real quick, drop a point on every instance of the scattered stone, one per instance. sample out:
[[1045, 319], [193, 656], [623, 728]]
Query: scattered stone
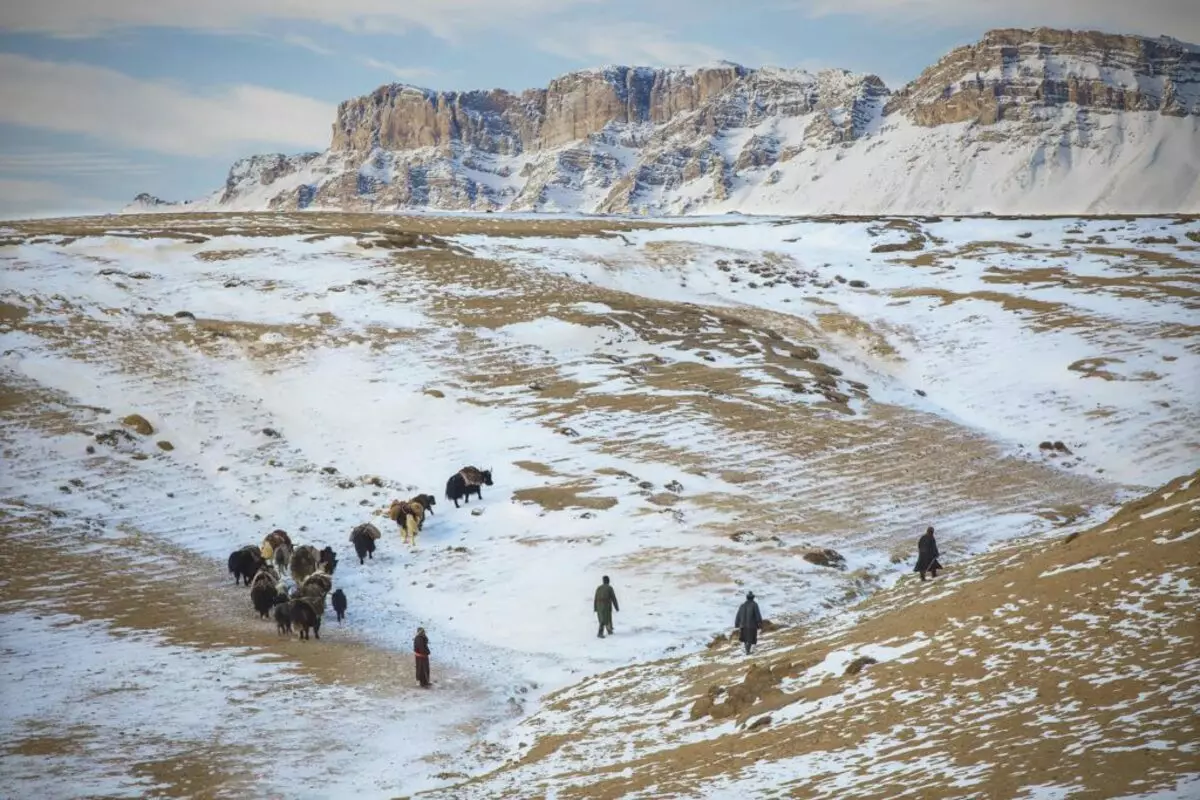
[[364, 502], [1024, 235], [537, 387], [1046, 446], [222, 469], [114, 437], [139, 456], [184, 315], [647, 485], [587, 515], [345, 483], [839, 279], [857, 284], [429, 586], [674, 486], [140, 276], [165, 446], [361, 282], [826, 558], [565, 431], [65, 489], [921, 392], [438, 393], [90, 450], [329, 470], [139, 424], [375, 481], [170, 494], [110, 271], [761, 722], [274, 434], [232, 283], [806, 353], [1061, 448], [476, 512], [337, 288], [856, 666], [707, 357]]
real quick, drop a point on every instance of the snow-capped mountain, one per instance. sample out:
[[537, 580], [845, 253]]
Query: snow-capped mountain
[[1029, 121]]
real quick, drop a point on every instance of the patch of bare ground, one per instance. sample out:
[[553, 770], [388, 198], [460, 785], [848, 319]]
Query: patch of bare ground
[[558, 498], [390, 230], [1052, 661]]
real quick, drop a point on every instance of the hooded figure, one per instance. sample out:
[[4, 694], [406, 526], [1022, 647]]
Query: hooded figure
[[604, 604], [748, 622], [927, 555], [421, 653]]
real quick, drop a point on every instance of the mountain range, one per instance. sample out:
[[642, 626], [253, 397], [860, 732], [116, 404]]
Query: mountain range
[[1023, 121]]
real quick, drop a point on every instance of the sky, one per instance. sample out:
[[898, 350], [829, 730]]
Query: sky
[[102, 99]]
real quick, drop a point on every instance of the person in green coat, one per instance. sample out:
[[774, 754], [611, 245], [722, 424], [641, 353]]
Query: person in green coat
[[604, 605]]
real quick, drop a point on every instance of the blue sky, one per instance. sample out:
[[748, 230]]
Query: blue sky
[[101, 99]]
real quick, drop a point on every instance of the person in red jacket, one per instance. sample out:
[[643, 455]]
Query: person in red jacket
[[421, 653]]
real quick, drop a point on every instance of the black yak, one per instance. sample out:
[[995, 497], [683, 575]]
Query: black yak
[[318, 582], [244, 563], [363, 537], [339, 604], [264, 596], [304, 562], [305, 616], [283, 615], [327, 560], [465, 482]]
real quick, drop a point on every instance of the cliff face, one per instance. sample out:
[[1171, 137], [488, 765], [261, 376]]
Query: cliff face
[[573, 107], [1022, 121], [1010, 73]]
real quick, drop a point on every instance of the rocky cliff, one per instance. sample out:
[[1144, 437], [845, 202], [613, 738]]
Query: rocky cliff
[[1032, 121]]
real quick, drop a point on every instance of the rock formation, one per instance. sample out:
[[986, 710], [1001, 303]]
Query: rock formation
[[1027, 121]]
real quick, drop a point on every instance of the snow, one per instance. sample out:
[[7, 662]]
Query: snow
[[511, 609], [982, 364]]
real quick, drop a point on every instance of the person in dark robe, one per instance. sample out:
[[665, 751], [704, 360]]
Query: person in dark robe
[[927, 555], [604, 604], [748, 622], [421, 653]]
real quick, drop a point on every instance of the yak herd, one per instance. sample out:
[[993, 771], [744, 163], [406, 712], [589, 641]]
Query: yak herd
[[261, 567]]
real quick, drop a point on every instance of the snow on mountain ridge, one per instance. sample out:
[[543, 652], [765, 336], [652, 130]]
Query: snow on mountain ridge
[[1058, 121]]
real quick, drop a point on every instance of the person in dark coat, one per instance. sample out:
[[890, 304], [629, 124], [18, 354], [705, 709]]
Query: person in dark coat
[[604, 604], [748, 622], [421, 653], [927, 555]]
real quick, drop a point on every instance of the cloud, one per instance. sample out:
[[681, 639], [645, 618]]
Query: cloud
[[160, 117], [1178, 18], [398, 72], [23, 198], [442, 17], [308, 44], [48, 161], [626, 43]]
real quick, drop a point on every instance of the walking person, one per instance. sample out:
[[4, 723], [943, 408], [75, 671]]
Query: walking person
[[748, 622], [927, 555], [604, 604], [421, 653]]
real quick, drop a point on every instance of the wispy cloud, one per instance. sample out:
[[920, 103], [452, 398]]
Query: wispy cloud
[[161, 117], [444, 18], [308, 44], [626, 43], [398, 72], [41, 162], [1178, 18]]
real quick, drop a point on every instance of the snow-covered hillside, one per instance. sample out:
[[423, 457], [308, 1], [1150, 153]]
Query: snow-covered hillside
[[1022, 122], [693, 410]]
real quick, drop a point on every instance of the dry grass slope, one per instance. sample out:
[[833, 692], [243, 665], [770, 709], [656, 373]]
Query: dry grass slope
[[1053, 662]]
